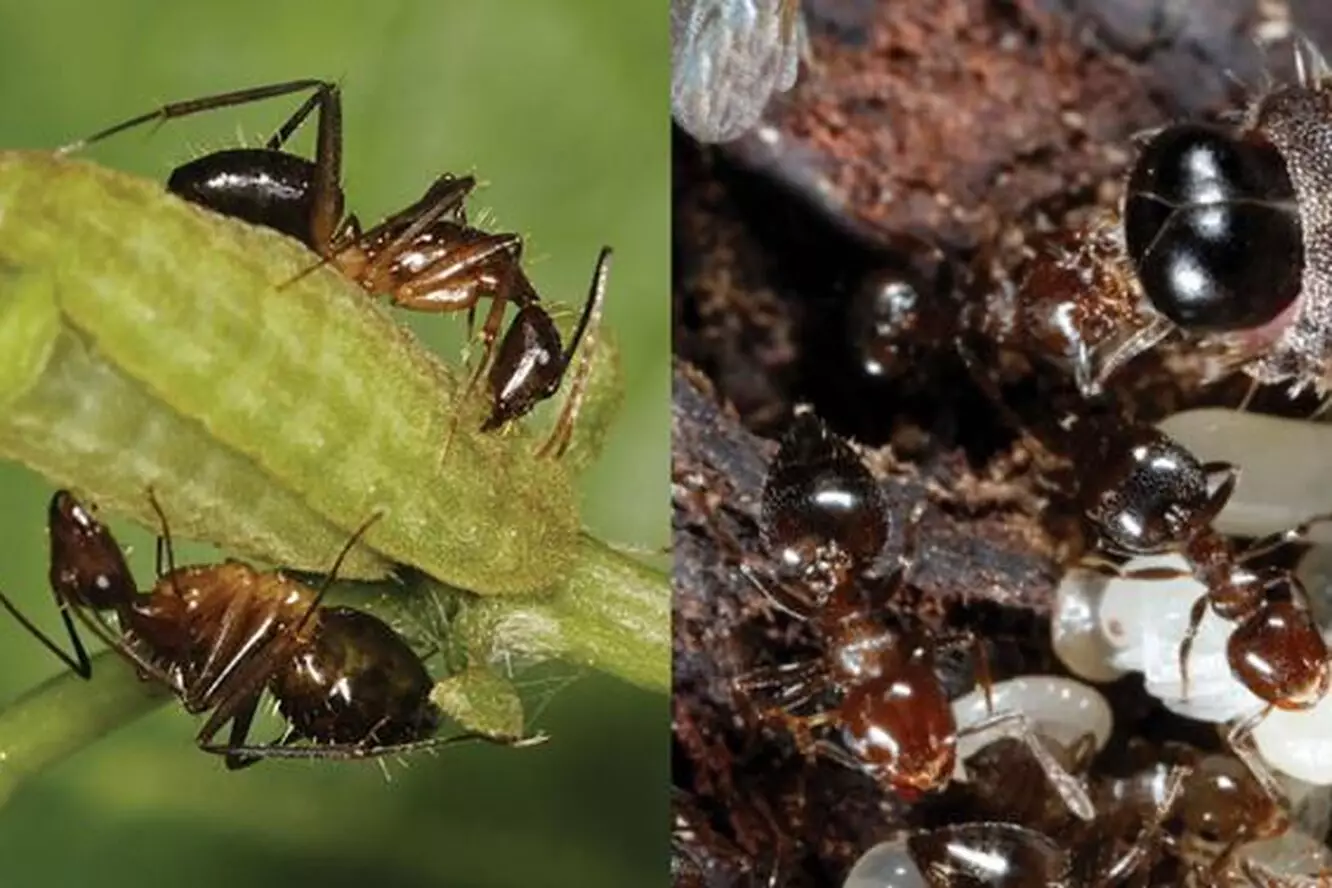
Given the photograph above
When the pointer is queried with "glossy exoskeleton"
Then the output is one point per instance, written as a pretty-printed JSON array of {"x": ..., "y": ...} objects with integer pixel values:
[
  {"x": 823, "y": 516},
  {"x": 218, "y": 636},
  {"x": 1211, "y": 226},
  {"x": 426, "y": 257},
  {"x": 1146, "y": 494}
]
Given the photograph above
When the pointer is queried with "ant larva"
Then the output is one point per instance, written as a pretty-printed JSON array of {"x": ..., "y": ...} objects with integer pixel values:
[
  {"x": 728, "y": 57},
  {"x": 426, "y": 258},
  {"x": 824, "y": 517},
  {"x": 218, "y": 636},
  {"x": 1151, "y": 496}
]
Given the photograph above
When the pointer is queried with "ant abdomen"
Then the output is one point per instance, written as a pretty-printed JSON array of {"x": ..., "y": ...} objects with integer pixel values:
[
  {"x": 356, "y": 679},
  {"x": 528, "y": 366},
  {"x": 1211, "y": 225},
  {"x": 1279, "y": 654},
  {"x": 268, "y": 188},
  {"x": 898, "y": 722},
  {"x": 820, "y": 503}
]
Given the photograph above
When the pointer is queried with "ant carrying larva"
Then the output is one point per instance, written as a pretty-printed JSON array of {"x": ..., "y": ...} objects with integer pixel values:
[
  {"x": 218, "y": 636},
  {"x": 426, "y": 257}
]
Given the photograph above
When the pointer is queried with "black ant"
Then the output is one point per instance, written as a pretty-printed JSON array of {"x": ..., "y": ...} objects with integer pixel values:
[
  {"x": 425, "y": 257},
  {"x": 1146, "y": 494},
  {"x": 219, "y": 635},
  {"x": 824, "y": 516}
]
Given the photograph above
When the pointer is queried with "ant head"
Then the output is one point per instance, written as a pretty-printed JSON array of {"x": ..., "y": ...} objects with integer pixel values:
[
  {"x": 528, "y": 366},
  {"x": 87, "y": 566},
  {"x": 822, "y": 512},
  {"x": 1150, "y": 496},
  {"x": 356, "y": 681},
  {"x": 1212, "y": 228}
]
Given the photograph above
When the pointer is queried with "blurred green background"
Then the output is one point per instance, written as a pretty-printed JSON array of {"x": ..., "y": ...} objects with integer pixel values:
[{"x": 559, "y": 106}]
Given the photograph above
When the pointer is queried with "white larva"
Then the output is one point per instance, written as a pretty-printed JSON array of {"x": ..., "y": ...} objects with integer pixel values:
[
  {"x": 1283, "y": 467},
  {"x": 1057, "y": 707}
]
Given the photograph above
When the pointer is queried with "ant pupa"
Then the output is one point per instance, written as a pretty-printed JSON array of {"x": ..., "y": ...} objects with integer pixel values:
[
  {"x": 728, "y": 58},
  {"x": 426, "y": 258},
  {"x": 824, "y": 517},
  {"x": 1151, "y": 496},
  {"x": 218, "y": 636}
]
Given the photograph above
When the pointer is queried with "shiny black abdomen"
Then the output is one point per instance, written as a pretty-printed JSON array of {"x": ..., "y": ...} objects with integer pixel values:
[{"x": 269, "y": 188}]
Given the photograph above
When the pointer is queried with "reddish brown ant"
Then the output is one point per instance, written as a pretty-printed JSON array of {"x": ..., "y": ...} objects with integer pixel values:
[
  {"x": 219, "y": 635},
  {"x": 824, "y": 516},
  {"x": 425, "y": 257},
  {"x": 1145, "y": 494}
]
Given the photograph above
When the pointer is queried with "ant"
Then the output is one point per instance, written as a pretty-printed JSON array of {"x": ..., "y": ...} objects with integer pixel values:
[
  {"x": 1218, "y": 237},
  {"x": 1009, "y": 854},
  {"x": 217, "y": 636},
  {"x": 1146, "y": 494},
  {"x": 824, "y": 516},
  {"x": 426, "y": 257}
]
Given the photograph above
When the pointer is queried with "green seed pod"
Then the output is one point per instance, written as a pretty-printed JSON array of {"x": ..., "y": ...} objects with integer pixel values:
[{"x": 309, "y": 379}]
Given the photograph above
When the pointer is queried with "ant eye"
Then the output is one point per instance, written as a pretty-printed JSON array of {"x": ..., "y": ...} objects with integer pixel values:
[
  {"x": 1211, "y": 228},
  {"x": 818, "y": 494}
]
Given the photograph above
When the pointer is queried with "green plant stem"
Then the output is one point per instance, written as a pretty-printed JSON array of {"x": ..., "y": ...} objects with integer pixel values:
[
  {"x": 610, "y": 613},
  {"x": 64, "y": 714}
]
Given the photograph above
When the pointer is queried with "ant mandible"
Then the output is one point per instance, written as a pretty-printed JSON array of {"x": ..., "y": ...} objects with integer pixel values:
[
  {"x": 1148, "y": 496},
  {"x": 824, "y": 516},
  {"x": 218, "y": 635},
  {"x": 425, "y": 257}
]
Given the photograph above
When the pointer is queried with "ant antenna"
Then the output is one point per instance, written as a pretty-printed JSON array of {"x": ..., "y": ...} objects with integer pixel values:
[
  {"x": 332, "y": 574},
  {"x": 561, "y": 435},
  {"x": 164, "y": 537}
]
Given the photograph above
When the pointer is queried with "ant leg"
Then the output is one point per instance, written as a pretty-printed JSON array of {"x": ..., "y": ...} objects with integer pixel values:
[
  {"x": 1132, "y": 859},
  {"x": 240, "y": 732},
  {"x": 834, "y": 753},
  {"x": 795, "y": 682},
  {"x": 331, "y": 577},
  {"x": 361, "y": 751},
  {"x": 1109, "y": 362},
  {"x": 1016, "y": 726},
  {"x": 561, "y": 433},
  {"x": 1196, "y": 613},
  {"x": 981, "y": 655},
  {"x": 194, "y": 106},
  {"x": 144, "y": 666},
  {"x": 1240, "y": 741},
  {"x": 1276, "y": 540},
  {"x": 164, "y": 538},
  {"x": 80, "y": 664},
  {"x": 1217, "y": 501},
  {"x": 444, "y": 197}
]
